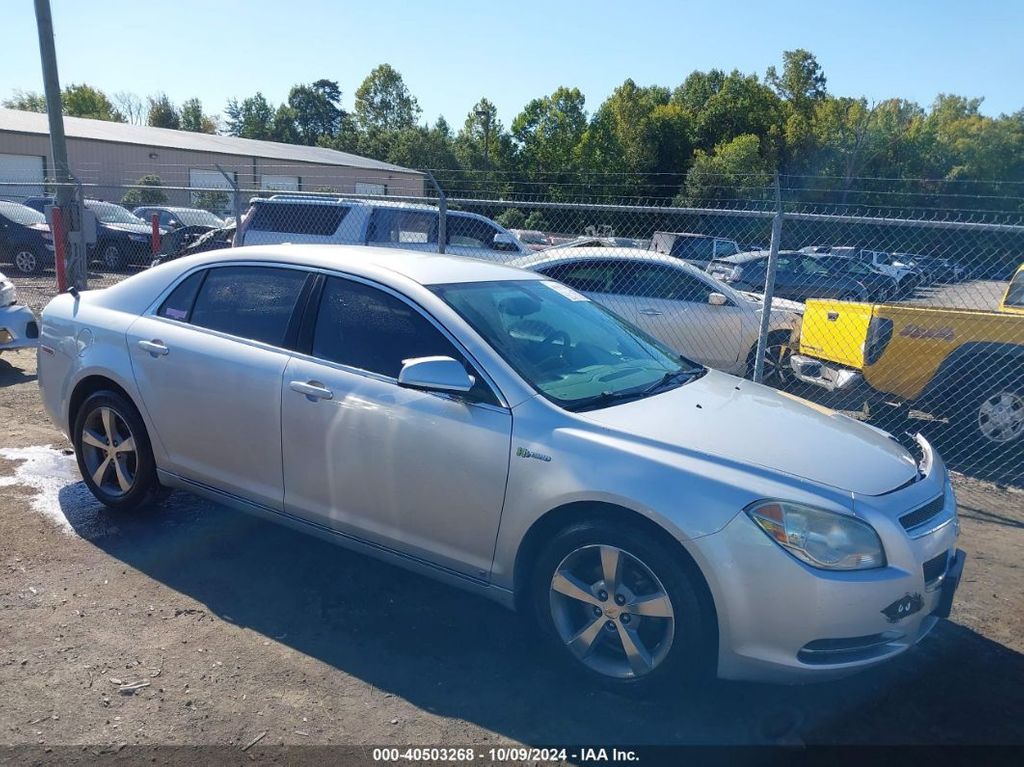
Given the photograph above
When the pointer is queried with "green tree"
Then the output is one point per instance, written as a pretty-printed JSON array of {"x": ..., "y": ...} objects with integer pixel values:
[
  {"x": 212, "y": 200},
  {"x": 485, "y": 152},
  {"x": 317, "y": 111},
  {"x": 28, "y": 101},
  {"x": 193, "y": 118},
  {"x": 80, "y": 100},
  {"x": 251, "y": 118},
  {"x": 547, "y": 134},
  {"x": 735, "y": 170},
  {"x": 511, "y": 218},
  {"x": 162, "y": 113},
  {"x": 384, "y": 103},
  {"x": 802, "y": 81},
  {"x": 283, "y": 127},
  {"x": 147, "y": 192}
]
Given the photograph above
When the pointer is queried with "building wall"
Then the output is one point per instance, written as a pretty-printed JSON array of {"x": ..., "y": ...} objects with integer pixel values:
[{"x": 105, "y": 167}]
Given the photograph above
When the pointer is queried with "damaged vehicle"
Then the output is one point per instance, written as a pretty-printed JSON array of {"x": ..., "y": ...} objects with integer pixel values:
[{"x": 18, "y": 326}]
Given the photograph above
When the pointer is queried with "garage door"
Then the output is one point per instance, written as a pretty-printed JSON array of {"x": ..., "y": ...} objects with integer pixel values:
[
  {"x": 21, "y": 175},
  {"x": 280, "y": 183},
  {"x": 218, "y": 200}
]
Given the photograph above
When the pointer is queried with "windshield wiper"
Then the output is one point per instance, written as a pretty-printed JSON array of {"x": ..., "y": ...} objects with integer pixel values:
[
  {"x": 670, "y": 379},
  {"x": 681, "y": 376}
]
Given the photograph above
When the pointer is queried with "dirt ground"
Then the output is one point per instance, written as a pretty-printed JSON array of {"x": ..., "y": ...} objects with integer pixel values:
[{"x": 235, "y": 627}]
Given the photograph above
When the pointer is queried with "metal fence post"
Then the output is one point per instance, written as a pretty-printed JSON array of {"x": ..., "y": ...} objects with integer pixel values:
[
  {"x": 236, "y": 197},
  {"x": 769, "y": 284},
  {"x": 442, "y": 214}
]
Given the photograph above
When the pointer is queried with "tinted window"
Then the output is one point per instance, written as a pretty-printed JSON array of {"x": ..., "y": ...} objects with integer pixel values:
[
  {"x": 658, "y": 281},
  {"x": 397, "y": 225},
  {"x": 725, "y": 248},
  {"x": 693, "y": 247},
  {"x": 178, "y": 305},
  {"x": 298, "y": 218},
  {"x": 592, "y": 277},
  {"x": 470, "y": 232},
  {"x": 368, "y": 329},
  {"x": 254, "y": 302},
  {"x": 1015, "y": 293}
]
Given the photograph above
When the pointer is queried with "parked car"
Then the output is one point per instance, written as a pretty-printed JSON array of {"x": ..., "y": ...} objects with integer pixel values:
[
  {"x": 907, "y": 278},
  {"x": 943, "y": 269},
  {"x": 501, "y": 432},
  {"x": 122, "y": 238},
  {"x": 18, "y": 326},
  {"x": 179, "y": 225},
  {"x": 532, "y": 238},
  {"x": 597, "y": 242},
  {"x": 879, "y": 287},
  {"x": 215, "y": 239},
  {"x": 798, "y": 276},
  {"x": 697, "y": 249},
  {"x": 340, "y": 221},
  {"x": 25, "y": 239},
  {"x": 680, "y": 305},
  {"x": 1013, "y": 299}
]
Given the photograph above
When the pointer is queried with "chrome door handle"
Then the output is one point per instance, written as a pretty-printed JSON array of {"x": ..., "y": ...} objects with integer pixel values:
[
  {"x": 154, "y": 347},
  {"x": 313, "y": 390},
  {"x": 650, "y": 312}
]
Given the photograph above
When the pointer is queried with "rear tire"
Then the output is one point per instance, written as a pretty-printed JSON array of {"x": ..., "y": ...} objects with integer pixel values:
[
  {"x": 112, "y": 257},
  {"x": 993, "y": 413},
  {"x": 113, "y": 451},
  {"x": 637, "y": 632},
  {"x": 27, "y": 261}
]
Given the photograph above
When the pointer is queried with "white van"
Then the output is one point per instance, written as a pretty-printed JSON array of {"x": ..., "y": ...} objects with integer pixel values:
[{"x": 339, "y": 221}]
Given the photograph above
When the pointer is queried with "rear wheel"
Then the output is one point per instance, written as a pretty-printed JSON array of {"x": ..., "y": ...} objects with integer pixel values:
[
  {"x": 994, "y": 414},
  {"x": 113, "y": 451},
  {"x": 617, "y": 604},
  {"x": 27, "y": 261},
  {"x": 112, "y": 257}
]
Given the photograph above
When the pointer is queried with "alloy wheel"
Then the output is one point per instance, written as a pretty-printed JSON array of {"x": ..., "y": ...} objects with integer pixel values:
[
  {"x": 1001, "y": 417},
  {"x": 611, "y": 611},
  {"x": 776, "y": 370},
  {"x": 26, "y": 261},
  {"x": 111, "y": 257},
  {"x": 109, "y": 451}
]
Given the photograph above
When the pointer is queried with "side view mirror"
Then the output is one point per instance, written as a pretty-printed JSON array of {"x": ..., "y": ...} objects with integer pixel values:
[
  {"x": 717, "y": 299},
  {"x": 505, "y": 242},
  {"x": 435, "y": 374}
]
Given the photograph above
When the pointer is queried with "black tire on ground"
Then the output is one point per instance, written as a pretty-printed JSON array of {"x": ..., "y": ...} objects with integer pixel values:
[
  {"x": 692, "y": 652},
  {"x": 780, "y": 352},
  {"x": 112, "y": 256},
  {"x": 991, "y": 412},
  {"x": 139, "y": 464},
  {"x": 27, "y": 260}
]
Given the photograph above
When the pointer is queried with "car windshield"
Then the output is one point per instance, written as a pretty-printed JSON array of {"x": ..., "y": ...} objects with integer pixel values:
[
  {"x": 21, "y": 214},
  {"x": 194, "y": 217},
  {"x": 573, "y": 351},
  {"x": 1015, "y": 293},
  {"x": 109, "y": 213}
]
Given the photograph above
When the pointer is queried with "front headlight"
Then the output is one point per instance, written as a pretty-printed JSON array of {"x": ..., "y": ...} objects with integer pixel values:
[
  {"x": 8, "y": 293},
  {"x": 820, "y": 538}
]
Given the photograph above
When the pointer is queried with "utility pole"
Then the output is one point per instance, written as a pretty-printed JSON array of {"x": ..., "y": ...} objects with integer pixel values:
[
  {"x": 485, "y": 115},
  {"x": 65, "y": 196}
]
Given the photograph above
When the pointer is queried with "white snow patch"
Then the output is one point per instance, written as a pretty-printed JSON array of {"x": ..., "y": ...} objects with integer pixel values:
[{"x": 60, "y": 495}]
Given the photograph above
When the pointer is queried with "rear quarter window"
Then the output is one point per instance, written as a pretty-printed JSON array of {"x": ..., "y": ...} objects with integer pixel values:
[{"x": 298, "y": 218}]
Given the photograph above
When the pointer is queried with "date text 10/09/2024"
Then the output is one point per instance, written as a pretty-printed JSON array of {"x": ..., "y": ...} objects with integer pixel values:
[{"x": 504, "y": 754}]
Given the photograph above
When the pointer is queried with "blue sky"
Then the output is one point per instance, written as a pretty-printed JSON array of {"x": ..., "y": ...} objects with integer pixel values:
[{"x": 453, "y": 52}]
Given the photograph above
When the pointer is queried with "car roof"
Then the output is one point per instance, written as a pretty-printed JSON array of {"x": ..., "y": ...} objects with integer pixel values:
[
  {"x": 756, "y": 255},
  {"x": 418, "y": 266},
  {"x": 557, "y": 255}
]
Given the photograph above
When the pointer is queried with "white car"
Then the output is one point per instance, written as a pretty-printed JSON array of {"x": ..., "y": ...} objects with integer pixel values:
[
  {"x": 498, "y": 430},
  {"x": 304, "y": 219},
  {"x": 697, "y": 315},
  {"x": 18, "y": 326}
]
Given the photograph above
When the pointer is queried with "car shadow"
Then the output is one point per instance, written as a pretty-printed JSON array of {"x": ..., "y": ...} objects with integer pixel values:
[
  {"x": 459, "y": 655},
  {"x": 10, "y": 375}
]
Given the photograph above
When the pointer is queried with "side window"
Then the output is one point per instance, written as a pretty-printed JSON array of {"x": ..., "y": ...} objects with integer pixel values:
[
  {"x": 699, "y": 248},
  {"x": 254, "y": 302},
  {"x": 470, "y": 232},
  {"x": 592, "y": 277},
  {"x": 679, "y": 286},
  {"x": 368, "y": 329},
  {"x": 166, "y": 218},
  {"x": 725, "y": 248},
  {"x": 178, "y": 305},
  {"x": 297, "y": 218},
  {"x": 395, "y": 225},
  {"x": 1015, "y": 292}
]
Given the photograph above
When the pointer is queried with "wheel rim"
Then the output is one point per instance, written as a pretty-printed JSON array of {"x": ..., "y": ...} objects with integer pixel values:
[
  {"x": 1001, "y": 417},
  {"x": 111, "y": 256},
  {"x": 612, "y": 612},
  {"x": 109, "y": 452},
  {"x": 25, "y": 260},
  {"x": 776, "y": 365}
]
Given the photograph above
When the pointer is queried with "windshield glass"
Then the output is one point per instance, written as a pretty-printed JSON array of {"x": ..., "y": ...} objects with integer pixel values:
[
  {"x": 192, "y": 217},
  {"x": 21, "y": 214},
  {"x": 570, "y": 349},
  {"x": 109, "y": 213},
  {"x": 1015, "y": 293}
]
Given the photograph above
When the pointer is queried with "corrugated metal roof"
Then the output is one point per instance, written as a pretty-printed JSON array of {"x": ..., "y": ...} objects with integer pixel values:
[{"x": 122, "y": 133}]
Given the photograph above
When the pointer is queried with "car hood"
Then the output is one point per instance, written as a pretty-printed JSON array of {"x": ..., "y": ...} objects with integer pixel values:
[
  {"x": 130, "y": 228},
  {"x": 737, "y": 420},
  {"x": 778, "y": 304}
]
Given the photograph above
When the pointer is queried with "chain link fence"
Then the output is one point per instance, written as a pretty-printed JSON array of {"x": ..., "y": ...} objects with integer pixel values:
[{"x": 880, "y": 306}]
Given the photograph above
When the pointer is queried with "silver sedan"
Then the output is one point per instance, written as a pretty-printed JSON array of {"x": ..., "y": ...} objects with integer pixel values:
[{"x": 499, "y": 431}]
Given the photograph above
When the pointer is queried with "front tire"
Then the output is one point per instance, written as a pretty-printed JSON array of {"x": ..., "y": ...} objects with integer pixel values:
[
  {"x": 113, "y": 451},
  {"x": 616, "y": 603},
  {"x": 777, "y": 371},
  {"x": 112, "y": 257},
  {"x": 27, "y": 261}
]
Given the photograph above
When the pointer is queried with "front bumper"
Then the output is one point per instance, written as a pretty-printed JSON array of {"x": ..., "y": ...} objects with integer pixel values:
[
  {"x": 19, "y": 328},
  {"x": 783, "y": 621},
  {"x": 826, "y": 375}
]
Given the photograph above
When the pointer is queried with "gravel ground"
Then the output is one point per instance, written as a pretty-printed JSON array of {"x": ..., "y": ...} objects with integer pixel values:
[{"x": 228, "y": 627}]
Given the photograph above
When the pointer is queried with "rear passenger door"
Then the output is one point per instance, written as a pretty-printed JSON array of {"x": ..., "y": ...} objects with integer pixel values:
[{"x": 208, "y": 363}]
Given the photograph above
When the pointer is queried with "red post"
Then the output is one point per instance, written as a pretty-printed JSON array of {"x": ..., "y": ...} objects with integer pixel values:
[
  {"x": 154, "y": 221},
  {"x": 59, "y": 248}
]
